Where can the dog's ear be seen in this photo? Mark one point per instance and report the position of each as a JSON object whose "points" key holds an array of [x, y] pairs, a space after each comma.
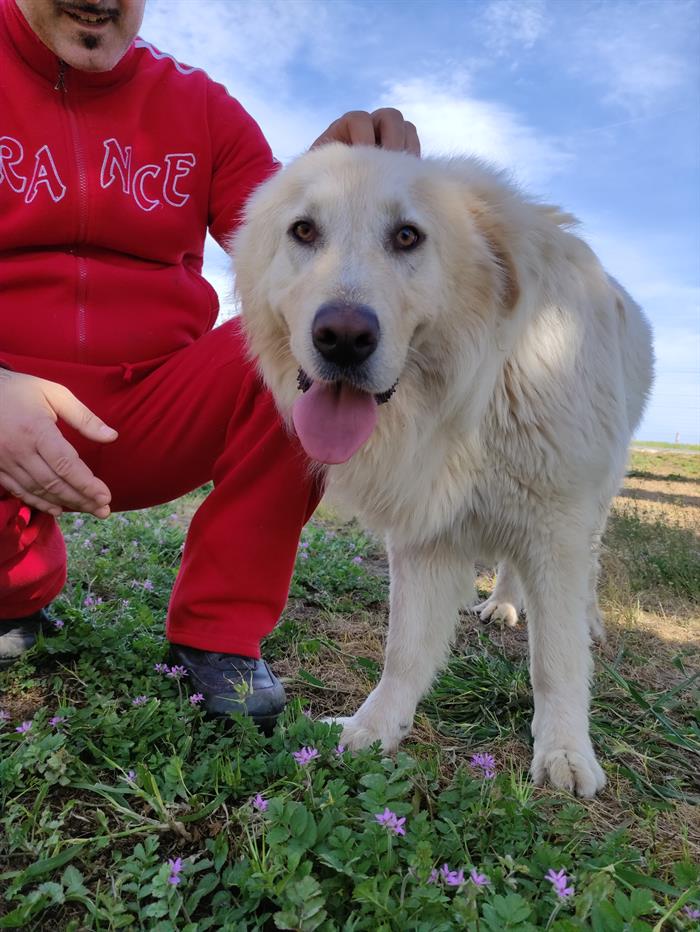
{"points": [[510, 287], [493, 231]]}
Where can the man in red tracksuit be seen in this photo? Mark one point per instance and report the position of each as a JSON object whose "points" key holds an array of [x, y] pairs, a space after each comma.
{"points": [[115, 391]]}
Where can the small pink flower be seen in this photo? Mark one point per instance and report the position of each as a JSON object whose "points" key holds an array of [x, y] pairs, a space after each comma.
{"points": [[305, 756], [452, 878], [161, 668], [79, 522], [260, 803], [484, 763], [175, 871], [139, 700], [340, 750], [196, 698], [177, 672], [57, 720], [4, 716], [148, 585], [303, 556], [131, 776], [691, 913], [24, 727], [391, 821], [58, 624], [479, 880], [559, 880]]}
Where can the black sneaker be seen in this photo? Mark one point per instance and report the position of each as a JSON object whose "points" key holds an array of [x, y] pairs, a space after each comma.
{"points": [[231, 683], [17, 635]]}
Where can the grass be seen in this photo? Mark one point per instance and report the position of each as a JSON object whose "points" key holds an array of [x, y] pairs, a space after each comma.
{"points": [[94, 806]]}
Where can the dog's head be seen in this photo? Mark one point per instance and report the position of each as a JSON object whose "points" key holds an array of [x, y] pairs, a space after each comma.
{"points": [[356, 267]]}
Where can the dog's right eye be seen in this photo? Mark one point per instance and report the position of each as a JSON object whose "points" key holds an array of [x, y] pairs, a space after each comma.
{"points": [[304, 231]]}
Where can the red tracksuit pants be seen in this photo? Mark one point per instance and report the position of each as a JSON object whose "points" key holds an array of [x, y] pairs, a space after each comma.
{"points": [[201, 414]]}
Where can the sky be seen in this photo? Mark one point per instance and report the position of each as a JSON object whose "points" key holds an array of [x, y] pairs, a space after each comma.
{"points": [[590, 104]]}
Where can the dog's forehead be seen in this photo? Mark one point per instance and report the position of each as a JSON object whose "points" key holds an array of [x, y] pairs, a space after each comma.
{"points": [[384, 188]]}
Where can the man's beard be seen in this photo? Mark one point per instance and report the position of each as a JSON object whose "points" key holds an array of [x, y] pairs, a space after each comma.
{"points": [[89, 41]]}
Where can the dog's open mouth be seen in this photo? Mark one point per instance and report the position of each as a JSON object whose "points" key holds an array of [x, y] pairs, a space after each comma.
{"points": [[334, 419]]}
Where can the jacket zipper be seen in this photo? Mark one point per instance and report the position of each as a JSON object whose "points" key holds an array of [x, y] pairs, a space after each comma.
{"points": [[81, 298]]}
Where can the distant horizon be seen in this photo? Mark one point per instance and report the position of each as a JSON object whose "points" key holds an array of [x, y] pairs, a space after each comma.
{"points": [[592, 106]]}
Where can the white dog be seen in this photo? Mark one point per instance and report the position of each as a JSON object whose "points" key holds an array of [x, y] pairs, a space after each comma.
{"points": [[473, 377]]}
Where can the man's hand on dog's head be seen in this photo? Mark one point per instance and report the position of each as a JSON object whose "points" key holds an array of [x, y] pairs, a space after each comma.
{"points": [[386, 128], [37, 464]]}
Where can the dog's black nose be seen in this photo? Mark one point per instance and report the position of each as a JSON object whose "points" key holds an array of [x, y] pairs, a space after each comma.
{"points": [[345, 334]]}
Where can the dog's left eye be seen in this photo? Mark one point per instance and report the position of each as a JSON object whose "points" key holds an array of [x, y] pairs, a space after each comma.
{"points": [[304, 231], [407, 237]]}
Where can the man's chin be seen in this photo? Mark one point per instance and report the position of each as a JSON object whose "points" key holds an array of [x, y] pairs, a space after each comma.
{"points": [[78, 55]]}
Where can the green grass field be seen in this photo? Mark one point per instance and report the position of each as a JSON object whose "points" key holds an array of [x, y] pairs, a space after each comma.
{"points": [[124, 814]]}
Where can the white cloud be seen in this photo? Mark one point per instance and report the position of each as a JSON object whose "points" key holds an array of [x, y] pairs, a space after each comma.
{"points": [[642, 55], [509, 24], [453, 121]]}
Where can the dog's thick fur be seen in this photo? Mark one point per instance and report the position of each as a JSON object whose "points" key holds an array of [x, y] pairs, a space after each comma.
{"points": [[522, 370]]}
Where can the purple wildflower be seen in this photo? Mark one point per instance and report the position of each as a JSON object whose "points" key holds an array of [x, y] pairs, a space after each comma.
{"points": [[58, 624], [357, 560], [485, 763], [452, 878], [259, 802], [303, 555], [479, 880], [340, 750], [434, 875], [148, 585], [304, 756], [4, 716], [139, 700], [24, 727], [161, 668], [691, 913], [196, 697], [90, 600], [131, 776], [177, 672], [79, 522], [559, 881], [391, 821], [175, 871], [57, 720]]}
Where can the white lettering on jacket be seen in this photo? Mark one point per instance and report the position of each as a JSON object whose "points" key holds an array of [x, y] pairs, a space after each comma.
{"points": [[149, 185]]}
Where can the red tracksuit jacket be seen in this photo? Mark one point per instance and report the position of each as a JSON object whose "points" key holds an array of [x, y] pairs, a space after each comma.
{"points": [[108, 182]]}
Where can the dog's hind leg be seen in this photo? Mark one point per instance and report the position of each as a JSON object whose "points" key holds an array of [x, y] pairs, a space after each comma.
{"points": [[556, 575], [506, 601], [428, 585]]}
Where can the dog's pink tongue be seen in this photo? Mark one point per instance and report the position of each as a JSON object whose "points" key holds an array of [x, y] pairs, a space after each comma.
{"points": [[333, 420]]}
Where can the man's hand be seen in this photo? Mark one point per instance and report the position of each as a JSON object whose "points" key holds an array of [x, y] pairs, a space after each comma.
{"points": [[386, 128], [37, 464]]}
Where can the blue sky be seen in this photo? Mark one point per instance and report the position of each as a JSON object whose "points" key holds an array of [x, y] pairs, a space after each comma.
{"points": [[591, 104]]}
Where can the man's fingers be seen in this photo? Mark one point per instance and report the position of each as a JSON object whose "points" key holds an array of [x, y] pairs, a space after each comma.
{"points": [[74, 412], [18, 485], [389, 128], [85, 491], [385, 127], [412, 140]]}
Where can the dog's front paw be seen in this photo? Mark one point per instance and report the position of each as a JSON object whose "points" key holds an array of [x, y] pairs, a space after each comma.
{"points": [[576, 771], [361, 732], [497, 609]]}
